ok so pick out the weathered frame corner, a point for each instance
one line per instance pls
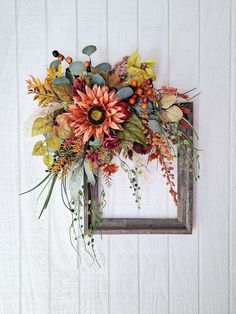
(181, 225)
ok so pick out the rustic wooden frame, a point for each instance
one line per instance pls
(181, 225)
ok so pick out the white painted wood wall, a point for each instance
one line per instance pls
(195, 43)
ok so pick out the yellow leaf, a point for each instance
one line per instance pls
(53, 142)
(48, 160)
(136, 74)
(39, 149)
(63, 91)
(34, 83)
(42, 90)
(167, 101)
(135, 60)
(53, 73)
(150, 73)
(150, 63)
(136, 69)
(41, 125)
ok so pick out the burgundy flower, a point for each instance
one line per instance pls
(125, 109)
(141, 149)
(79, 84)
(93, 156)
(112, 143)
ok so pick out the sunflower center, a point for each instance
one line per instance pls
(96, 115)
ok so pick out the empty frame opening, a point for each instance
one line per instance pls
(155, 202)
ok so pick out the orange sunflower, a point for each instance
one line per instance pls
(95, 112)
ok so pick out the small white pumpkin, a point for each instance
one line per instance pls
(173, 114)
(167, 101)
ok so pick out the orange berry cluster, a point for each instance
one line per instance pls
(186, 111)
(60, 57)
(142, 92)
(184, 123)
(69, 60)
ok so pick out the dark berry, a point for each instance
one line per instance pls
(55, 53)
(143, 66)
(149, 81)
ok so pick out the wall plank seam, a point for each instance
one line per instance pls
(19, 165)
(230, 162)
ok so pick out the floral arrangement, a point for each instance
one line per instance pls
(91, 116)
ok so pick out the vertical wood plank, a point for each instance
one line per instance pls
(213, 188)
(123, 251)
(93, 280)
(183, 74)
(232, 166)
(64, 281)
(31, 28)
(9, 185)
(153, 250)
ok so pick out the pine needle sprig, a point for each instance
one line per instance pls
(108, 180)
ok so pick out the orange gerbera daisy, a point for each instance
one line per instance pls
(95, 112)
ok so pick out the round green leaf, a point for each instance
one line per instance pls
(154, 126)
(76, 67)
(98, 79)
(55, 64)
(152, 117)
(124, 92)
(89, 50)
(61, 80)
(69, 76)
(139, 108)
(105, 67)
